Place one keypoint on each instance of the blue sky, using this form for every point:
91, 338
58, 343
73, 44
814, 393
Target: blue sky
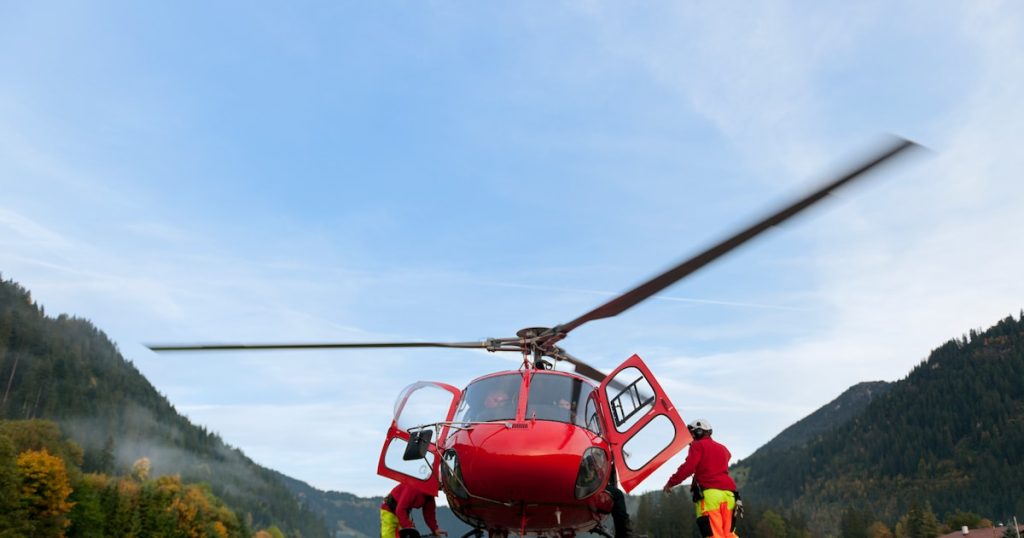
446, 171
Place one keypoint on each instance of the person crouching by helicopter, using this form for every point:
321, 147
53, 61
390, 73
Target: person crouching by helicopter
714, 491
395, 513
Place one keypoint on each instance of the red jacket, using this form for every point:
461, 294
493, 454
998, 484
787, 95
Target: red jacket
406, 499
708, 462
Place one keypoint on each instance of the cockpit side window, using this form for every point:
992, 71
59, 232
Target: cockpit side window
592, 416
559, 398
491, 398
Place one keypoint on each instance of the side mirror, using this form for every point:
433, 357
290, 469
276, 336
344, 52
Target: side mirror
419, 442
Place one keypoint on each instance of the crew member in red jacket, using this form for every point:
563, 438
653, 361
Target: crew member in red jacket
395, 517
714, 491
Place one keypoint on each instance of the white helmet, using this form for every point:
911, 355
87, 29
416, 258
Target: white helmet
700, 424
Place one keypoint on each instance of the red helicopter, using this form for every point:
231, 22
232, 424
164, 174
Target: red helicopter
536, 451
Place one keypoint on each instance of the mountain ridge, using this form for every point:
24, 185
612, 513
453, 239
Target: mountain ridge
950, 433
837, 412
65, 369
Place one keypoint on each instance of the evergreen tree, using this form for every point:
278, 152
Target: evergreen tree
87, 517
854, 522
921, 521
644, 515
771, 525
12, 517
958, 519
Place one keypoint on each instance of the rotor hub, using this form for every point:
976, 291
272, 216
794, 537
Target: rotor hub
531, 332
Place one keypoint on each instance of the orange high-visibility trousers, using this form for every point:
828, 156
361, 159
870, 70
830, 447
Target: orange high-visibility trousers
717, 506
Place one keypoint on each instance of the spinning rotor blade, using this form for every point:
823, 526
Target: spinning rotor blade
645, 290
581, 367
587, 370
488, 345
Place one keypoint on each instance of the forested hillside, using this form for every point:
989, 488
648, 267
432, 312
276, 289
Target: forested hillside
949, 437
64, 369
43, 493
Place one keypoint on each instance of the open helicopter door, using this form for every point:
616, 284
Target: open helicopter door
410, 453
644, 428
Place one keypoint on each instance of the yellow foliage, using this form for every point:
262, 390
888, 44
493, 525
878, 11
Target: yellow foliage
127, 489
168, 484
879, 530
192, 509
140, 469
96, 481
45, 489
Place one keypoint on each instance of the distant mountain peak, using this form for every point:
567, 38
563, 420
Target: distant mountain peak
829, 416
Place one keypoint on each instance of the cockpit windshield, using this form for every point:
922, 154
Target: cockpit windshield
491, 398
560, 398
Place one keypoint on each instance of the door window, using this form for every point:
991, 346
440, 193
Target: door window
645, 428
423, 404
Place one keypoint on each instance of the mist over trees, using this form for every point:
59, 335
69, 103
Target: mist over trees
65, 370
46, 494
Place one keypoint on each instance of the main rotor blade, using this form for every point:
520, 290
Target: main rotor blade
239, 347
645, 290
587, 370
583, 368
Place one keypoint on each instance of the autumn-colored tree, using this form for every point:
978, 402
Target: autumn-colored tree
45, 489
879, 530
140, 469
187, 510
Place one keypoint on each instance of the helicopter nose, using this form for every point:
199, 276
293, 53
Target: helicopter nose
539, 461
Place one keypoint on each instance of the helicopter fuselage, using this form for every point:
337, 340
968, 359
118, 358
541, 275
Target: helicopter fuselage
534, 451
522, 476
524, 468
